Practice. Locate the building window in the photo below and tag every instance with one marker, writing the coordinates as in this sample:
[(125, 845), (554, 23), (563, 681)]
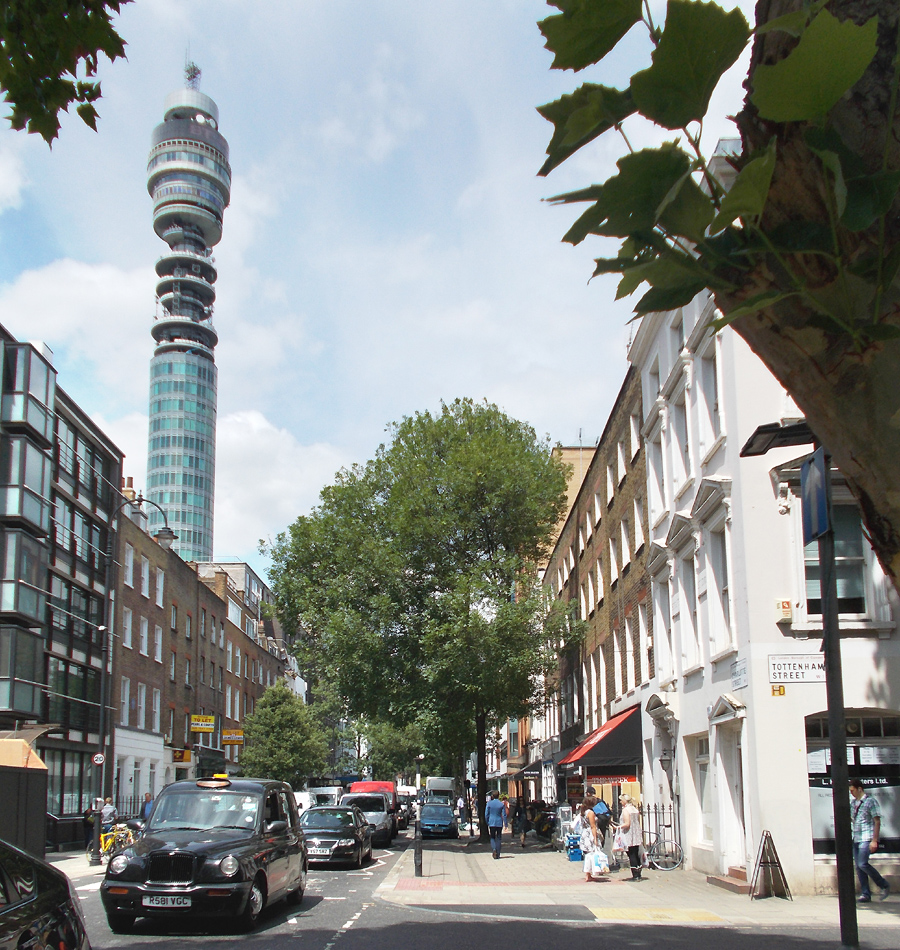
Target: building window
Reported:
[(203, 670), (638, 524), (124, 700), (145, 636), (172, 656), (187, 672), (663, 623), (228, 702), (222, 634), (621, 470), (709, 390), (126, 628), (219, 684), (720, 609), (234, 613), (635, 432), (610, 482), (156, 711), (141, 706), (850, 565), (644, 644), (598, 507), (145, 576), (174, 617), (626, 546), (237, 661), (228, 661), (613, 561), (187, 626), (129, 565), (687, 613), (656, 477), (704, 789), (160, 586), (203, 622), (157, 643), (681, 448)]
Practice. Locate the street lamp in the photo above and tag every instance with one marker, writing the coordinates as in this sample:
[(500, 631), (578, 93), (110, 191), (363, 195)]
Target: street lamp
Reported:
[(164, 537)]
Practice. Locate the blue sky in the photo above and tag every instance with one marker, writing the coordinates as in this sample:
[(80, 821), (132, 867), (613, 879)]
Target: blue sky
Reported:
[(386, 246)]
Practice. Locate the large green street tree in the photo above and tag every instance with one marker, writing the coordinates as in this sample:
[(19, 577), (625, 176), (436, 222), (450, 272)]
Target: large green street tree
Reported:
[(798, 236), (282, 739), (416, 575), (49, 52)]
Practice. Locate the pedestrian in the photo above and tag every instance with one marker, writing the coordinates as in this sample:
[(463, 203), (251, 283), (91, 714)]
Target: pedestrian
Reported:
[(495, 816), (108, 814), (588, 837), (87, 824), (146, 807), (461, 808), (520, 820), (629, 834), (865, 827)]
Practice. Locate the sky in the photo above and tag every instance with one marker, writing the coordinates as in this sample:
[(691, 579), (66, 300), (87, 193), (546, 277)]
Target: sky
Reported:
[(386, 248)]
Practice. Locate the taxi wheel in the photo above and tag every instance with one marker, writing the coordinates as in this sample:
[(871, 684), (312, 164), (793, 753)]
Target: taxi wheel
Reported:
[(255, 904), (120, 923)]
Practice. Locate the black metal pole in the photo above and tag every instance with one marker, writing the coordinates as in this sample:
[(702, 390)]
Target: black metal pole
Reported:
[(417, 853), (837, 729)]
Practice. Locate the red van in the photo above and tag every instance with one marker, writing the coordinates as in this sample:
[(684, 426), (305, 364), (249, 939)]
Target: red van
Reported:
[(390, 789)]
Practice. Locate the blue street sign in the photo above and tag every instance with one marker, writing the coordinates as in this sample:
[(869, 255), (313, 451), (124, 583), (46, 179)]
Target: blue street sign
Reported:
[(814, 496)]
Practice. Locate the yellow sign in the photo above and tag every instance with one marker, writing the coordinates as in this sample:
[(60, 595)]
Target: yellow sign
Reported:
[(181, 755), (203, 723), (232, 737), (778, 691)]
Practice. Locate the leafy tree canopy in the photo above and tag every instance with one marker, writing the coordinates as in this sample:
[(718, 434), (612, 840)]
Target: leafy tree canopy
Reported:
[(415, 574), (43, 46), (282, 739), (796, 233)]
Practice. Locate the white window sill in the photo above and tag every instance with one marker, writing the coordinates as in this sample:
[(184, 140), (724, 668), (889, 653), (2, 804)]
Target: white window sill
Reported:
[(669, 683), (690, 670), (685, 485), (723, 654), (661, 518), (720, 441)]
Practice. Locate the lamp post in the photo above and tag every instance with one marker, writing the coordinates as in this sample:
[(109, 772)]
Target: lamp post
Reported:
[(164, 537)]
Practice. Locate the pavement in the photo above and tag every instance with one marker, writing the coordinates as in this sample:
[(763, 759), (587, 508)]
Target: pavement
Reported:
[(538, 882)]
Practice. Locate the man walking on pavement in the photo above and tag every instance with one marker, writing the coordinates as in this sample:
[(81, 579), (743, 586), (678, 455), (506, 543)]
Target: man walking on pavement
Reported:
[(865, 817), (495, 816)]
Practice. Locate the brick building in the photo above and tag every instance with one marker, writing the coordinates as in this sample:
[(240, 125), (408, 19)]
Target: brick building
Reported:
[(599, 567), (187, 643)]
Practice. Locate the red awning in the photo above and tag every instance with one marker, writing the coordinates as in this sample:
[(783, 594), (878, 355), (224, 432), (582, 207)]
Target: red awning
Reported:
[(615, 744)]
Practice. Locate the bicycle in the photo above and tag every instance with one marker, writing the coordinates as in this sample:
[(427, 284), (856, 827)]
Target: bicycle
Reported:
[(118, 837), (664, 854)]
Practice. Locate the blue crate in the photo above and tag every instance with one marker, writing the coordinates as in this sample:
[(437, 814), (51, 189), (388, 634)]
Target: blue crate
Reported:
[(575, 854)]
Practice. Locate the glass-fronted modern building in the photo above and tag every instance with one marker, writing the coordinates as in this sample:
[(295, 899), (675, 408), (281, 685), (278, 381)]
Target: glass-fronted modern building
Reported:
[(189, 179)]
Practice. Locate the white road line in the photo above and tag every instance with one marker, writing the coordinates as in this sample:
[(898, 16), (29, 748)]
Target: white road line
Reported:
[(89, 887), (334, 898)]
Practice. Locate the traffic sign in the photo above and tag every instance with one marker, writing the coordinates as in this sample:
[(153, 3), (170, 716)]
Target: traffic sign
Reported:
[(814, 496), (98, 758)]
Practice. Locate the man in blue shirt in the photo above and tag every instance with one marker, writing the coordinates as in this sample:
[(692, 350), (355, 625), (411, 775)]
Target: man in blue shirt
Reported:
[(495, 816), (865, 818)]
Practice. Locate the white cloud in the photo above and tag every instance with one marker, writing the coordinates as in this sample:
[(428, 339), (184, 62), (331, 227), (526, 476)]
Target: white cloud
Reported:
[(265, 478), (12, 173)]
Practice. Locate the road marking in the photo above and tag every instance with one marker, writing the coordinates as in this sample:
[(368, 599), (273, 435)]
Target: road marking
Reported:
[(655, 913), (334, 898), (89, 887)]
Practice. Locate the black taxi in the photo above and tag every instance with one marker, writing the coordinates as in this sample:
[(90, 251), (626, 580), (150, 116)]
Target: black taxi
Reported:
[(214, 847)]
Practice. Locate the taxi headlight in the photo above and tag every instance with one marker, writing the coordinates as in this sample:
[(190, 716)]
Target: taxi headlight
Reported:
[(230, 865), (118, 864)]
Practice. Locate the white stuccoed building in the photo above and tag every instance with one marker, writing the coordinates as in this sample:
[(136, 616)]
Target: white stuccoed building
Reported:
[(735, 718)]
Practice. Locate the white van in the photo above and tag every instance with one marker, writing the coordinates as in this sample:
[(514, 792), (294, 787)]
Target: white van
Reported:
[(439, 788), (325, 795), (304, 800)]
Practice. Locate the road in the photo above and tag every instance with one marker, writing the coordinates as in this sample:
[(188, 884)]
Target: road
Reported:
[(341, 911)]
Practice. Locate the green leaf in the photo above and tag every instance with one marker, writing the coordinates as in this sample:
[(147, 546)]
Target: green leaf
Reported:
[(832, 161), (747, 196), (882, 331), (580, 117), (687, 210), (587, 30), (868, 198), (630, 201), (829, 59), (751, 305), (660, 299), (667, 272), (700, 41), (797, 237)]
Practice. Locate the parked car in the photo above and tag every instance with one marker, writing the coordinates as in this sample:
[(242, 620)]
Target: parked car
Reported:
[(212, 847), (337, 834), (38, 905), (438, 821), (377, 810), (407, 812)]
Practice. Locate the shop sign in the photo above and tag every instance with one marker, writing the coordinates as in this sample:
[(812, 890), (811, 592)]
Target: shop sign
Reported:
[(181, 755), (610, 779), (797, 668), (203, 723), (232, 737)]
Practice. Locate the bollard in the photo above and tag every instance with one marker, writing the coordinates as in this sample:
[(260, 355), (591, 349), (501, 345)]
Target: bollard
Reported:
[(417, 856)]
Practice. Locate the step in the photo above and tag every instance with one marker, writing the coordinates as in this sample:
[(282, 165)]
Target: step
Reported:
[(733, 884), (738, 873)]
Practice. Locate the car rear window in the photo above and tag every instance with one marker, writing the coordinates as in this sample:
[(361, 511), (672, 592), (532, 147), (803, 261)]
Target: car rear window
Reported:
[(437, 811), (368, 802)]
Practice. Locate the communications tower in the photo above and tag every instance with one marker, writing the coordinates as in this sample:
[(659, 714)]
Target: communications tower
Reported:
[(189, 179)]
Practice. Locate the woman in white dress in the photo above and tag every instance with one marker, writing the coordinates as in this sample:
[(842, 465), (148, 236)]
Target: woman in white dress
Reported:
[(588, 841), (629, 830)]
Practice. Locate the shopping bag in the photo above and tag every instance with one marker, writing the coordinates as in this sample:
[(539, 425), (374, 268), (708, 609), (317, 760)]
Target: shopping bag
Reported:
[(619, 842), (599, 863)]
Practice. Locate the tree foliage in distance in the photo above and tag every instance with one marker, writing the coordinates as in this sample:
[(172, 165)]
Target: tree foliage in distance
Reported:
[(43, 44), (415, 575), (797, 237), (392, 750), (282, 739)]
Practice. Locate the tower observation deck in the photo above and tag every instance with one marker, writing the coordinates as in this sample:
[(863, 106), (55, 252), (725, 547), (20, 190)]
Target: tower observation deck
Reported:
[(189, 180)]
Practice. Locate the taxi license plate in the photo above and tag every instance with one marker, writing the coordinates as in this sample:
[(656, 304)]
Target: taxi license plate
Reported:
[(320, 850), (166, 901)]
